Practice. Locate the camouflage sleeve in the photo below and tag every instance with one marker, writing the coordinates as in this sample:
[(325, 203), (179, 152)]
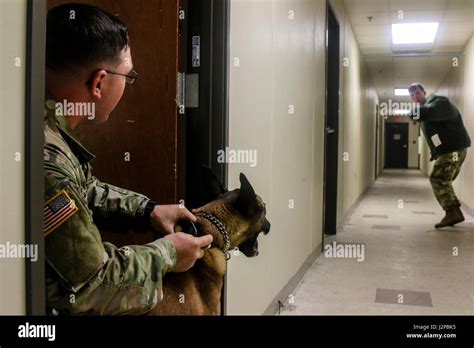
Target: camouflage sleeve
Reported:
[(86, 276), (113, 205)]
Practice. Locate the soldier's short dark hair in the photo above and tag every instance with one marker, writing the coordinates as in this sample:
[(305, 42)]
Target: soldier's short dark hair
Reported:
[(414, 86), (83, 35)]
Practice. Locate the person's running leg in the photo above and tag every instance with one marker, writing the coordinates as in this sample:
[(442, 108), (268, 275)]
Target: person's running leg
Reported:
[(445, 170), (461, 158)]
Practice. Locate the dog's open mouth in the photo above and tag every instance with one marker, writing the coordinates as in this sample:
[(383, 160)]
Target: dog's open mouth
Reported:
[(249, 248)]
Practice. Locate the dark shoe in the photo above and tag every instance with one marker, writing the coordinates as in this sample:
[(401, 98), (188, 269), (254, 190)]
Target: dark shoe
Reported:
[(460, 214), (453, 216)]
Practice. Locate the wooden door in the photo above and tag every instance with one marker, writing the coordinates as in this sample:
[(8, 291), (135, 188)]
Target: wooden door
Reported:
[(140, 146)]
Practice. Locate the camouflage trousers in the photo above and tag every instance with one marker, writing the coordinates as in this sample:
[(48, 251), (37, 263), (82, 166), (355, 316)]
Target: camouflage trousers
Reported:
[(446, 169)]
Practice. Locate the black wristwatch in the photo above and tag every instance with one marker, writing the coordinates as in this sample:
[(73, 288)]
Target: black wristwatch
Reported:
[(147, 212)]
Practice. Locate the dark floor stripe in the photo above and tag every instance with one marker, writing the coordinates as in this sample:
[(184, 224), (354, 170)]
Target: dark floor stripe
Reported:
[(375, 216), (386, 227), (404, 297)]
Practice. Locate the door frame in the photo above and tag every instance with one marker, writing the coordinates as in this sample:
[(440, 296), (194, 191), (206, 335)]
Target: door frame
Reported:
[(210, 19), (208, 123), (377, 126), (35, 293), (330, 13)]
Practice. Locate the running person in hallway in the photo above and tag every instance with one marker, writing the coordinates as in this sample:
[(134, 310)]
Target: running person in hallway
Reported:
[(448, 140)]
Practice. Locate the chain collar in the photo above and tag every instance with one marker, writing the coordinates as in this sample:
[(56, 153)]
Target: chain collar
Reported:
[(220, 226)]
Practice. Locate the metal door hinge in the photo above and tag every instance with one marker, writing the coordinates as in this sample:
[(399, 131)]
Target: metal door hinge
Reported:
[(181, 90), (187, 91)]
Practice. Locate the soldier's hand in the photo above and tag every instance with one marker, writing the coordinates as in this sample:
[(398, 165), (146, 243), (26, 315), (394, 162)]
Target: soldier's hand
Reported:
[(164, 217), (188, 248)]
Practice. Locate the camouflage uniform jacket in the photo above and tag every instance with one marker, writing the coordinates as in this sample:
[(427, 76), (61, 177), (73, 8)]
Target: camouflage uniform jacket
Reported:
[(83, 274)]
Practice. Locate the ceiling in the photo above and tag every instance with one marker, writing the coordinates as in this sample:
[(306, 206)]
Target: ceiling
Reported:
[(391, 68)]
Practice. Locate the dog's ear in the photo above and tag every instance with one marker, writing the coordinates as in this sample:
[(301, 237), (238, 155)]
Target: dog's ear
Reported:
[(246, 203), (212, 186)]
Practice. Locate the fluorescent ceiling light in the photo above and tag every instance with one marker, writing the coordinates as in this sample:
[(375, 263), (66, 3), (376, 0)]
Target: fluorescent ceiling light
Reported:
[(414, 33), (402, 92)]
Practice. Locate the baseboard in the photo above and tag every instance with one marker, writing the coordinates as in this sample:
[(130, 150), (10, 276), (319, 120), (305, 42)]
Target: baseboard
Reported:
[(283, 295)]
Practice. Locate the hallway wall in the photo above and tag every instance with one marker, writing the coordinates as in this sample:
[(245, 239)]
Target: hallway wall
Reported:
[(281, 69), (458, 87), (277, 66), (358, 100), (12, 129)]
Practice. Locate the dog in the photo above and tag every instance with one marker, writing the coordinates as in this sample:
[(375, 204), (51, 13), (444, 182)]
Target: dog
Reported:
[(235, 219)]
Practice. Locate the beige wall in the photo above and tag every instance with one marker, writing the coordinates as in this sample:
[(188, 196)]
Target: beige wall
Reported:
[(358, 99), (458, 87), (282, 64), (12, 99)]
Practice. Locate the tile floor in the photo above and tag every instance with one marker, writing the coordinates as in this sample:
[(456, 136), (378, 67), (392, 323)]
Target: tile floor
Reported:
[(408, 266)]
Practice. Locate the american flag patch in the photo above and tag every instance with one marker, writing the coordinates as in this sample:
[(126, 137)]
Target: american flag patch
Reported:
[(57, 210)]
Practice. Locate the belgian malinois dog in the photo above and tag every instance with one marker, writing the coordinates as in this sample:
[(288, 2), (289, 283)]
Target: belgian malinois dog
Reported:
[(235, 220)]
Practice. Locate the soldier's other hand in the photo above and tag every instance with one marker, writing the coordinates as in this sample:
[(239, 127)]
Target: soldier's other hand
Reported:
[(164, 217), (188, 248)]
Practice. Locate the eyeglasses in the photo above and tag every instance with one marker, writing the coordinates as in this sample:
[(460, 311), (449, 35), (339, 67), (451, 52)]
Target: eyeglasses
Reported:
[(130, 79)]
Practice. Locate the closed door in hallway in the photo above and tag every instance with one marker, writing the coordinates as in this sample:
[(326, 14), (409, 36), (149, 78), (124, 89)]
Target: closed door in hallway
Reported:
[(332, 124), (396, 145)]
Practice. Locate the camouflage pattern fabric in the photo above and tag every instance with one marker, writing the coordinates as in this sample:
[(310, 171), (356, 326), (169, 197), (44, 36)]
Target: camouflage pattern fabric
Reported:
[(83, 274), (446, 169)]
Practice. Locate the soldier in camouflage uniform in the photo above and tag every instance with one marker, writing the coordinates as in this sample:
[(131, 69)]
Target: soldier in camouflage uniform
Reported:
[(83, 274), (444, 130)]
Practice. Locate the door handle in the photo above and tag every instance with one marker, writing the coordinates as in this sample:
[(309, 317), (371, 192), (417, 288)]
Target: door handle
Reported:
[(405, 146), (330, 130)]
